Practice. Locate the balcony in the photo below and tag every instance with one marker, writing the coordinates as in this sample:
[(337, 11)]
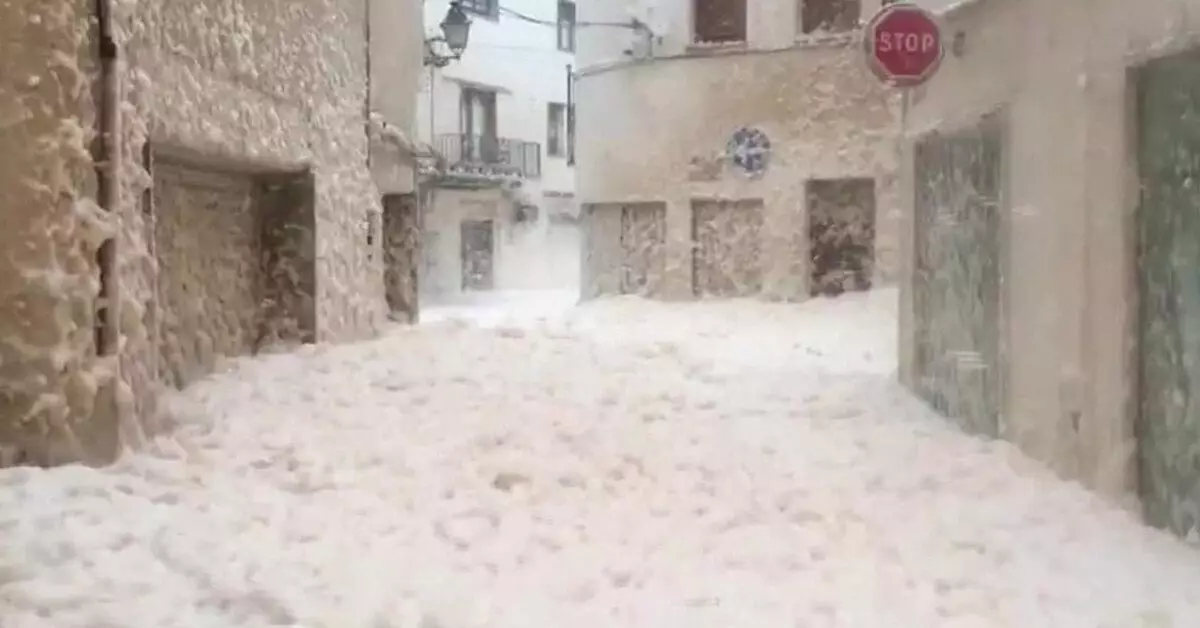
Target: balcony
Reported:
[(489, 157)]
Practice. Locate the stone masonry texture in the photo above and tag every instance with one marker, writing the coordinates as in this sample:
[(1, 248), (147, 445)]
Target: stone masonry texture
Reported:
[(247, 91)]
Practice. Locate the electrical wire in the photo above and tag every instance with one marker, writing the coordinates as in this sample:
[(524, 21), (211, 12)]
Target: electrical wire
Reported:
[(533, 20)]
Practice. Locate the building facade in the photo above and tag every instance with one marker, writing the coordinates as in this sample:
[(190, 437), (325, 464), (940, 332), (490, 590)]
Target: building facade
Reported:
[(501, 213), (187, 183), (731, 149), (1050, 265)]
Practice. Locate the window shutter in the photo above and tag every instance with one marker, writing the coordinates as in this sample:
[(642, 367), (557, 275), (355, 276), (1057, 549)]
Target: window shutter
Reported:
[(719, 21)]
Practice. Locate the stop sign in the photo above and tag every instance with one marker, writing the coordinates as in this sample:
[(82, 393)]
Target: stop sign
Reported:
[(904, 44)]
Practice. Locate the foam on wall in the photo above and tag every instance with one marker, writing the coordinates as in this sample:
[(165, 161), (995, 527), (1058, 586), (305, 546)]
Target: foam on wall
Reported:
[(257, 86)]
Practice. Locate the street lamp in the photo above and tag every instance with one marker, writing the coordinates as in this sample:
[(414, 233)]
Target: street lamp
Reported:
[(456, 31)]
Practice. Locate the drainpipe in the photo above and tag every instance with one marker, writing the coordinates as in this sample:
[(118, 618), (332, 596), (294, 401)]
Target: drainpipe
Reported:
[(570, 115), (367, 101), (432, 107), (108, 176)]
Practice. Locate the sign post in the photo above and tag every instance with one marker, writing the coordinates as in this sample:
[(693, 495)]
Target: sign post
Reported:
[(904, 44)]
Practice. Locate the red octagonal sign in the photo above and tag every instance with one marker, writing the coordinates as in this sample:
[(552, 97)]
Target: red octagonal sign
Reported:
[(904, 44)]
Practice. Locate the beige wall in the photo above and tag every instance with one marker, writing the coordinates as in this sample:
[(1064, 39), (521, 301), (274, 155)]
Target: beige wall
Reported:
[(50, 378), (268, 85), (645, 127), (1058, 72), (770, 25), (397, 41)]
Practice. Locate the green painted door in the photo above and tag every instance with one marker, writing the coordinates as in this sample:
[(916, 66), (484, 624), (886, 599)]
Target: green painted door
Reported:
[(959, 366), (1168, 423)]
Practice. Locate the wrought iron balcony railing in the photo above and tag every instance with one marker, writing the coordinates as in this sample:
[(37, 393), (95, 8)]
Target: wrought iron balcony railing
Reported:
[(495, 156)]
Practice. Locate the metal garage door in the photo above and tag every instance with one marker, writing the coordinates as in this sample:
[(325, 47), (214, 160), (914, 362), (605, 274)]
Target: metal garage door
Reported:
[(1169, 281), (728, 240), (208, 249), (959, 367)]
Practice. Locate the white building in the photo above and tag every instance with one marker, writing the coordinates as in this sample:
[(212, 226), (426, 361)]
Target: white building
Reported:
[(499, 118)]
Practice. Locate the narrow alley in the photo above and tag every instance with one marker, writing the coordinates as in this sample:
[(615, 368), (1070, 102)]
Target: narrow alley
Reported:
[(621, 463)]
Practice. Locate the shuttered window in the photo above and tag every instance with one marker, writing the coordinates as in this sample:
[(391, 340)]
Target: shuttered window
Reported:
[(829, 16), (719, 21)]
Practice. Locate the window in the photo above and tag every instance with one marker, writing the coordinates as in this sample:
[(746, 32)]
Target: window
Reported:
[(560, 131), (478, 123), (488, 8), (719, 21), (571, 135), (556, 130), (829, 16), (566, 26)]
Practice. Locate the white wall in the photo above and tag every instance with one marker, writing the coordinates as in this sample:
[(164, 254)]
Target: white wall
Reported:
[(522, 61), (771, 24)]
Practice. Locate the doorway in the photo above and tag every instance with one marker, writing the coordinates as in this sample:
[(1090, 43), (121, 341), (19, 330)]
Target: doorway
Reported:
[(1168, 275), (960, 370), (401, 256), (727, 260), (841, 235), (477, 252), (208, 243), (643, 247)]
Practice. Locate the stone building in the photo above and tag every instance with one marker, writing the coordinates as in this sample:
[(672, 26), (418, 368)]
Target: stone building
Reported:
[(1050, 266), (185, 182), (733, 149)]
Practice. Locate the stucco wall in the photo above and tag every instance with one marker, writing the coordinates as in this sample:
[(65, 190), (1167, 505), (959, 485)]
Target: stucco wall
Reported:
[(526, 255), (1057, 71), (396, 43), (442, 272), (646, 128), (263, 86)]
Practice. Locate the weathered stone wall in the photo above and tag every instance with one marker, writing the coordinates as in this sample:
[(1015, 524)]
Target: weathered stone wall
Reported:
[(265, 87), (401, 255), (258, 86), (657, 131), (55, 393)]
